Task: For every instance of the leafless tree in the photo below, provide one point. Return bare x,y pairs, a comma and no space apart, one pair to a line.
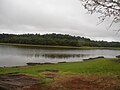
107,8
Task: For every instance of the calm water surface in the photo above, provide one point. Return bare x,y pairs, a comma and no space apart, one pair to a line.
18,56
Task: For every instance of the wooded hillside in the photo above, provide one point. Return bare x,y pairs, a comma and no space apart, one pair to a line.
54,39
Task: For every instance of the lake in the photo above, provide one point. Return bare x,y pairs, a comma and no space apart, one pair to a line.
19,56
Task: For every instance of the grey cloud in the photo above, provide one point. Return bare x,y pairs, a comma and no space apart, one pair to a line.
48,16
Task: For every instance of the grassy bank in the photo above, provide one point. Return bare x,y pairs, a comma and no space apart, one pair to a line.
58,47
98,66
99,74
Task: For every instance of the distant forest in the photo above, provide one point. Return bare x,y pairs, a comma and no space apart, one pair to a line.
55,40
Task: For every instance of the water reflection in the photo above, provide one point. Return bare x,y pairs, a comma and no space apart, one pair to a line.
13,55
56,56
64,56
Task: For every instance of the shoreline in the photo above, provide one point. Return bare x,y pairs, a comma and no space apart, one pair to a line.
59,47
101,73
88,62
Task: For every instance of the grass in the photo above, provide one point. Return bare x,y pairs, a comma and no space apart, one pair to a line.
48,46
59,47
102,74
98,66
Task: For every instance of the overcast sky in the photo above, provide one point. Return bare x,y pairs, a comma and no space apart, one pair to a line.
52,16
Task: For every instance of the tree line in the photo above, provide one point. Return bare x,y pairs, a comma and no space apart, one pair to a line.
54,40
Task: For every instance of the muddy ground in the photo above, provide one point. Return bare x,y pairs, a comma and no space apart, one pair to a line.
18,82
59,82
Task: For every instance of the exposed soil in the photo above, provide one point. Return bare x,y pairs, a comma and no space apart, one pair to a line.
59,82
18,82
48,73
89,82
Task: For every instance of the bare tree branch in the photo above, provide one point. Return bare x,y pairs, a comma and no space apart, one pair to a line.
108,8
